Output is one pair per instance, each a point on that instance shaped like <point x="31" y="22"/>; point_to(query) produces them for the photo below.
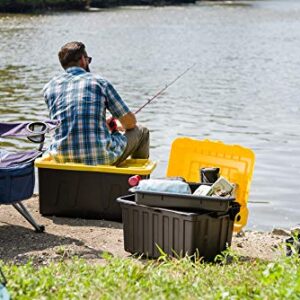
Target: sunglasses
<point x="89" y="59"/>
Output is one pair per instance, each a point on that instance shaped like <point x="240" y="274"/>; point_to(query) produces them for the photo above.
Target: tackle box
<point x="184" y="201"/>
<point x="176" y="232"/>
<point x="84" y="191"/>
<point x="188" y="156"/>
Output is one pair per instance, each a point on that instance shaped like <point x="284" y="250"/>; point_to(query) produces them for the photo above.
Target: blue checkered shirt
<point x="79" y="100"/>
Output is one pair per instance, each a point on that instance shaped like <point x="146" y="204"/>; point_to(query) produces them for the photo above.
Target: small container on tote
<point x="209" y="175"/>
<point x="134" y="180"/>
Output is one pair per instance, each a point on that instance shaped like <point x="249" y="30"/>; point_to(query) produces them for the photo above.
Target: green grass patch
<point x="163" y="279"/>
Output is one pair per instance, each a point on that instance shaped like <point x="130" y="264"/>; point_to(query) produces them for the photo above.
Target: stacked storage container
<point x="176" y="224"/>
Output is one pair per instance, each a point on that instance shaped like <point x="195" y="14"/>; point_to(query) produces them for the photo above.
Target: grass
<point x="163" y="279"/>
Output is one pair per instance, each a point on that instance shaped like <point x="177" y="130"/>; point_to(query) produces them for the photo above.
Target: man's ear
<point x="82" y="62"/>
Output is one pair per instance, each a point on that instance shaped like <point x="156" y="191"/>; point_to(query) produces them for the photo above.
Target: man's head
<point x="74" y="54"/>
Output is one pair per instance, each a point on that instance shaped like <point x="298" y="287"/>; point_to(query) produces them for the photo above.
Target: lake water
<point x="244" y="89"/>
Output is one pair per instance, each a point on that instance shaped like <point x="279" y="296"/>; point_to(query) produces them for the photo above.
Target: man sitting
<point x="79" y="100"/>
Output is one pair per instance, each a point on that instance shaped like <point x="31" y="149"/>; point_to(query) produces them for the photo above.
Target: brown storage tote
<point x="177" y="233"/>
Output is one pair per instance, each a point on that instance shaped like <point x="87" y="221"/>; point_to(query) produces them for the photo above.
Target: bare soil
<point x="64" y="238"/>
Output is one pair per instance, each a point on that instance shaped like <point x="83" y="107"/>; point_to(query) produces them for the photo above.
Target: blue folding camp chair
<point x="17" y="168"/>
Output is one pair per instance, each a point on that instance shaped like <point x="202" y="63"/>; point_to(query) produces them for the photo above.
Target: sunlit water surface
<point x="244" y="89"/>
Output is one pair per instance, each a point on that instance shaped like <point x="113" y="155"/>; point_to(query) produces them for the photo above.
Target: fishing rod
<point x="112" y="123"/>
<point x="163" y="89"/>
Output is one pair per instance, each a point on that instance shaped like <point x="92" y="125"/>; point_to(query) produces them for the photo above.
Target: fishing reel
<point x="112" y="124"/>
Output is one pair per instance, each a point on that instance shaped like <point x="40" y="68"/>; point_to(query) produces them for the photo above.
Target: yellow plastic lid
<point x="236" y="164"/>
<point x="129" y="166"/>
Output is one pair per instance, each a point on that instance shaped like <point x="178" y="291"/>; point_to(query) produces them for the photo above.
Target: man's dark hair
<point x="70" y="54"/>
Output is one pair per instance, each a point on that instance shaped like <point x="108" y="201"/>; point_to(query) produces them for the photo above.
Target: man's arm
<point x="119" y="110"/>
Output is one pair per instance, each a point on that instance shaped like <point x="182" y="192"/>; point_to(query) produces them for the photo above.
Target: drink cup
<point x="209" y="175"/>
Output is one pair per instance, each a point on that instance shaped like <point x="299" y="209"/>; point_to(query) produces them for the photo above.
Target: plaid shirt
<point x="79" y="100"/>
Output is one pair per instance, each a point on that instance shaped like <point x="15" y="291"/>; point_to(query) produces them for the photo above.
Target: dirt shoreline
<point x="64" y="238"/>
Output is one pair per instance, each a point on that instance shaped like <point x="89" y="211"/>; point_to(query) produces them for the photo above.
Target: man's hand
<point x="114" y="125"/>
<point x="128" y="121"/>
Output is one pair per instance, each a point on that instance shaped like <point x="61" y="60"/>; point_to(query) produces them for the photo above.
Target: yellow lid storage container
<point x="84" y="191"/>
<point x="188" y="156"/>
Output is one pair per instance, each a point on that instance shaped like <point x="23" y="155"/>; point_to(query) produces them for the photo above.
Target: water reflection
<point x="228" y="4"/>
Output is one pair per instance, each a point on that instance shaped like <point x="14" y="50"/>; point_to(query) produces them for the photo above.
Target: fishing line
<point x="163" y="89"/>
<point x="112" y="122"/>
